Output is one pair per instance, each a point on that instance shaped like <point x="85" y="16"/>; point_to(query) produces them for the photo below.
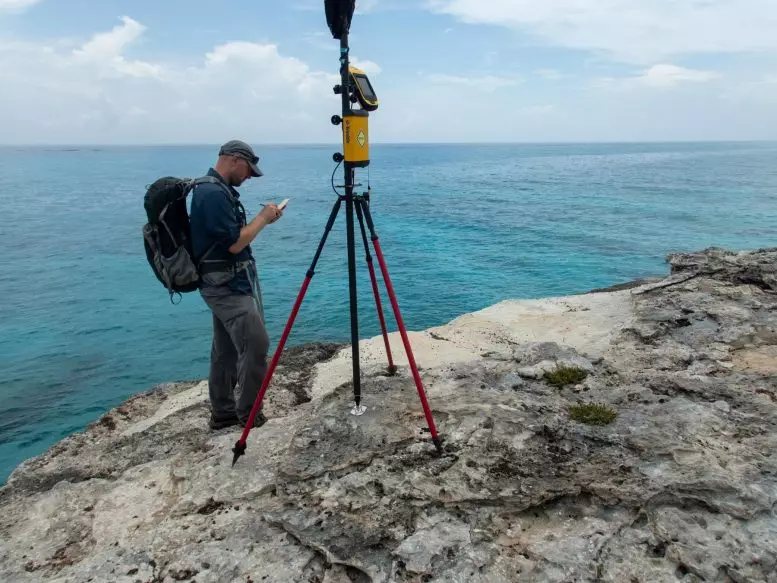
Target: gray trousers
<point x="238" y="358"/>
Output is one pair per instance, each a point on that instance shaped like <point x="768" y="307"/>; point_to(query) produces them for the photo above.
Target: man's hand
<point x="267" y="216"/>
<point x="271" y="213"/>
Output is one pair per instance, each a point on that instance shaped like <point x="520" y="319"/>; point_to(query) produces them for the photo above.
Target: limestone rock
<point x="680" y="486"/>
<point x="539" y="358"/>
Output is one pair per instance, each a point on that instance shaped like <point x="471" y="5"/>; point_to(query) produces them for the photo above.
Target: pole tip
<point x="438" y="443"/>
<point x="392" y="370"/>
<point x="239" y="449"/>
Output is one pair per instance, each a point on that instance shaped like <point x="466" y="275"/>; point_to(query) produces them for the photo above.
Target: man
<point x="221" y="238"/>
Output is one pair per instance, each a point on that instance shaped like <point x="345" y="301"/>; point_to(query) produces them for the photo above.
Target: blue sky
<point x="78" y="71"/>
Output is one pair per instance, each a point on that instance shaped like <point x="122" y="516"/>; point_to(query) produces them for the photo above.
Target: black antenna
<point x="338" y="16"/>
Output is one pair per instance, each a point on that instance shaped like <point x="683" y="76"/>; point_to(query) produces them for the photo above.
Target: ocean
<point x="85" y="324"/>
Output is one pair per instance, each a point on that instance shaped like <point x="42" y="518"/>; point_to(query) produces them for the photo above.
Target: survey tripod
<point x="355" y="88"/>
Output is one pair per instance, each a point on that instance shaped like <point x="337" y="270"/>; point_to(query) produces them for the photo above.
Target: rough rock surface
<point x="682" y="486"/>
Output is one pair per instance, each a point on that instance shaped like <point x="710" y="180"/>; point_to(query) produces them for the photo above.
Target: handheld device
<point x="363" y="90"/>
<point x="283" y="204"/>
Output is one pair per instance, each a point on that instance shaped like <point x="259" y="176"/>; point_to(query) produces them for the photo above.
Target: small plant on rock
<point x="592" y="414"/>
<point x="566" y="375"/>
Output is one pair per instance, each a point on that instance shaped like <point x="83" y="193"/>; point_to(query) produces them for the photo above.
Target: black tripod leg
<point x="240" y="446"/>
<point x="408" y="349"/>
<point x="391" y="368"/>
<point x="357" y="390"/>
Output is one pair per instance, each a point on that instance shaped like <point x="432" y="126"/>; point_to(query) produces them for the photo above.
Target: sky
<point x="187" y="71"/>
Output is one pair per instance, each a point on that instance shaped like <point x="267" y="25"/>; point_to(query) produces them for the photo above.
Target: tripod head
<point x="354" y="88"/>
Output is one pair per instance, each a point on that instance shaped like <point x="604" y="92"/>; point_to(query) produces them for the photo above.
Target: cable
<point x="369" y="188"/>
<point x="333" y="178"/>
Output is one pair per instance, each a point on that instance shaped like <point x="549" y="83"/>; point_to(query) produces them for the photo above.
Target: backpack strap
<point x="224" y="188"/>
<point x="214" y="180"/>
<point x="235" y="202"/>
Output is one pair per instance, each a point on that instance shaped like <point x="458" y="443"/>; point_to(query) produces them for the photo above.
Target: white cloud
<point x="661" y="76"/>
<point x="95" y="92"/>
<point x="16" y="5"/>
<point x="486" y="83"/>
<point x="111" y="44"/>
<point x="631" y="30"/>
<point x="263" y="72"/>
<point x="369" y="67"/>
<point x="105" y="51"/>
<point x="665" y="75"/>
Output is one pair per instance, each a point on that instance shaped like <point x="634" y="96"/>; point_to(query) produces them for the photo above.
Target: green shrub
<point x="592" y="414"/>
<point x="566" y="375"/>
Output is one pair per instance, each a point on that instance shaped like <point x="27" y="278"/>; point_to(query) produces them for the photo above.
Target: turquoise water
<point x="85" y="324"/>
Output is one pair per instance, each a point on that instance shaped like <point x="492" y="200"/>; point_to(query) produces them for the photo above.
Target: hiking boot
<point x="259" y="420"/>
<point x="217" y="423"/>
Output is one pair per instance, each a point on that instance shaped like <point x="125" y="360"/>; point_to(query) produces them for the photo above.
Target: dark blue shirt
<point x="214" y="218"/>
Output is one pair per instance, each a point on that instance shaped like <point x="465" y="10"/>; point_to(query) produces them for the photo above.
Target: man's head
<point x="237" y="162"/>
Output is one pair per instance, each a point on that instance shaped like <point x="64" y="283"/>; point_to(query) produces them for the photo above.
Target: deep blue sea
<point x="85" y="325"/>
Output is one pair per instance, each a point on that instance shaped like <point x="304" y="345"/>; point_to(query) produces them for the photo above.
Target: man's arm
<point x="269" y="214"/>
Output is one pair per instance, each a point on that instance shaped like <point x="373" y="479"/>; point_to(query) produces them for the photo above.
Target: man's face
<point x="241" y="171"/>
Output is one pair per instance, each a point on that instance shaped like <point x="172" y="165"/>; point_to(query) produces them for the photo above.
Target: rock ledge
<point x="681" y="486"/>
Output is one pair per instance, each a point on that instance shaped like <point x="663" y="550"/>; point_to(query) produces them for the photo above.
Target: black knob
<point x="336" y="120"/>
<point x="338" y="157"/>
<point x="338" y="89"/>
<point x="354" y="98"/>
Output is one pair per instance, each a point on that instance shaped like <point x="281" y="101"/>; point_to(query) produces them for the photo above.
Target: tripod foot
<point x="239" y="449"/>
<point x="392" y="370"/>
<point x="438" y="443"/>
<point x="358" y="410"/>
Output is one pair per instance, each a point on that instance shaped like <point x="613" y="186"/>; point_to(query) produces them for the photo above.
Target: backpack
<point x="167" y="234"/>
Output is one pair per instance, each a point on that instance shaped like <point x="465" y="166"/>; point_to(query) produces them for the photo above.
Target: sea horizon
<point x="391" y="143"/>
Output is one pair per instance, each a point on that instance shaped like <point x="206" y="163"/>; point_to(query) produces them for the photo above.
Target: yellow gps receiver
<point x="356" y="133"/>
<point x="356" y="138"/>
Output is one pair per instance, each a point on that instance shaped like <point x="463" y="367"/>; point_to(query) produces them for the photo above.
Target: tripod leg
<point x="391" y="368"/>
<point x="357" y="389"/>
<point x="240" y="446"/>
<point x="406" y="341"/>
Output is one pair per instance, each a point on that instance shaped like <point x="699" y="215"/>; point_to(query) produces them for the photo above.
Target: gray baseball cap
<point x="244" y="151"/>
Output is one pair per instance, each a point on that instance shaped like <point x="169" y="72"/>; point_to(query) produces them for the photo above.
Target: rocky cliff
<point x="622" y="436"/>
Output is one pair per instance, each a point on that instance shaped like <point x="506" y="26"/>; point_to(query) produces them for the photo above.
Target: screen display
<point x="365" y="87"/>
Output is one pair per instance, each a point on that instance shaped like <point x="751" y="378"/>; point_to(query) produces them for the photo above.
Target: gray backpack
<point x="167" y="234"/>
